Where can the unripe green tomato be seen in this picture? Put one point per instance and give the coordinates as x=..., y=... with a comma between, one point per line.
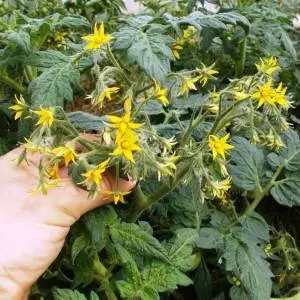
x=45, y=10
x=196, y=261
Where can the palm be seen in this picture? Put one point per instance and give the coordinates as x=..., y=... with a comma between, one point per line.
x=33, y=227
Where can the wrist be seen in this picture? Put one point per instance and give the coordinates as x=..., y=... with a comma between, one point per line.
x=11, y=290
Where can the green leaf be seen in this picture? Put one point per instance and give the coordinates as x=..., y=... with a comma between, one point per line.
x=131, y=267
x=249, y=265
x=247, y=164
x=210, y=238
x=289, y=155
x=256, y=226
x=150, y=50
x=238, y=293
x=81, y=242
x=54, y=85
x=21, y=39
x=94, y=296
x=181, y=247
x=83, y=269
x=192, y=101
x=134, y=238
x=74, y=21
x=163, y=277
x=46, y=59
x=66, y=294
x=133, y=284
x=288, y=44
x=85, y=121
x=216, y=21
x=287, y=191
x=97, y=223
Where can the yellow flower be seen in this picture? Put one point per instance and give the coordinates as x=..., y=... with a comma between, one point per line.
x=118, y=196
x=265, y=94
x=67, y=153
x=106, y=94
x=280, y=97
x=94, y=176
x=219, y=188
x=46, y=117
x=126, y=144
x=206, y=73
x=219, y=146
x=53, y=171
x=161, y=94
x=97, y=39
x=176, y=49
x=267, y=66
x=123, y=123
x=44, y=186
x=20, y=108
x=187, y=85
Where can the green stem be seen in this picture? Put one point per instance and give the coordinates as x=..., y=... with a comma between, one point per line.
x=12, y=83
x=29, y=72
x=103, y=279
x=117, y=65
x=139, y=205
x=240, y=64
x=192, y=126
x=265, y=190
x=143, y=202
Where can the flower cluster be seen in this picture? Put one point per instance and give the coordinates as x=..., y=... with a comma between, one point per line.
x=125, y=138
x=188, y=37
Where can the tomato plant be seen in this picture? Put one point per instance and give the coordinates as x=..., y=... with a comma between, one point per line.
x=192, y=106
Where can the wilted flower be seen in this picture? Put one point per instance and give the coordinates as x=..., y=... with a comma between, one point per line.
x=20, y=108
x=187, y=85
x=107, y=93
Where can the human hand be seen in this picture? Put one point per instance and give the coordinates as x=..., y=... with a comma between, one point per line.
x=33, y=228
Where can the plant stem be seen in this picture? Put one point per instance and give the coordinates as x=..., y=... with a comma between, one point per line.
x=143, y=202
x=103, y=279
x=240, y=64
x=12, y=83
x=265, y=190
x=117, y=65
x=29, y=72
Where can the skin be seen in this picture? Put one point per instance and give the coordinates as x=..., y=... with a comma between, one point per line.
x=33, y=228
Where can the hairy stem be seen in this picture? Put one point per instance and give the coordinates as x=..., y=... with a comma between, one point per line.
x=265, y=191
x=12, y=83
x=102, y=278
x=144, y=202
x=240, y=64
